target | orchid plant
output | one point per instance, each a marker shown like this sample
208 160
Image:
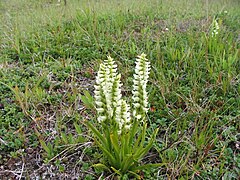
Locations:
215 28
120 131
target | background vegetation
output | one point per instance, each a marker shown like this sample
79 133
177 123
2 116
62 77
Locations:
49 56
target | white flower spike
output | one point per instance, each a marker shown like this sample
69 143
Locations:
215 28
140 99
110 106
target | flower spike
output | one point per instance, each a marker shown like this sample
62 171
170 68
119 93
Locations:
140 99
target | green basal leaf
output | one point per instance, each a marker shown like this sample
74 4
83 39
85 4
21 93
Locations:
143 134
126 148
133 132
88 95
101 167
108 154
127 163
142 151
141 138
71 139
116 171
116 146
137 142
96 132
106 136
134 174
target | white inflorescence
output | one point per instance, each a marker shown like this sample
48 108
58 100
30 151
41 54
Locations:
140 99
123 115
99 94
109 104
107 89
108 98
215 28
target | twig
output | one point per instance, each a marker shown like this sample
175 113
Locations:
2 141
20 176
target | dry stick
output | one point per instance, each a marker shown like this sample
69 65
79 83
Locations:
3 142
20 176
9 171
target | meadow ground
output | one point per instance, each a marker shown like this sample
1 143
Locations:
50 54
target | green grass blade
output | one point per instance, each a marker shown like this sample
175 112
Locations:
147 166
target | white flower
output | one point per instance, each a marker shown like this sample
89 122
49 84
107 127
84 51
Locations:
138 116
127 126
136 87
97 96
100 110
98 103
135 99
137 105
101 118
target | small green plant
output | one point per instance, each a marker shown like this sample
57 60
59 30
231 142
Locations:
120 136
30 96
63 143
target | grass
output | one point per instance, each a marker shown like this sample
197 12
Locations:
50 55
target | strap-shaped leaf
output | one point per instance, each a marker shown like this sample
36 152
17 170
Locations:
135 174
142 151
111 159
133 132
127 163
64 137
116 146
97 133
141 138
101 166
116 171
143 134
127 148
